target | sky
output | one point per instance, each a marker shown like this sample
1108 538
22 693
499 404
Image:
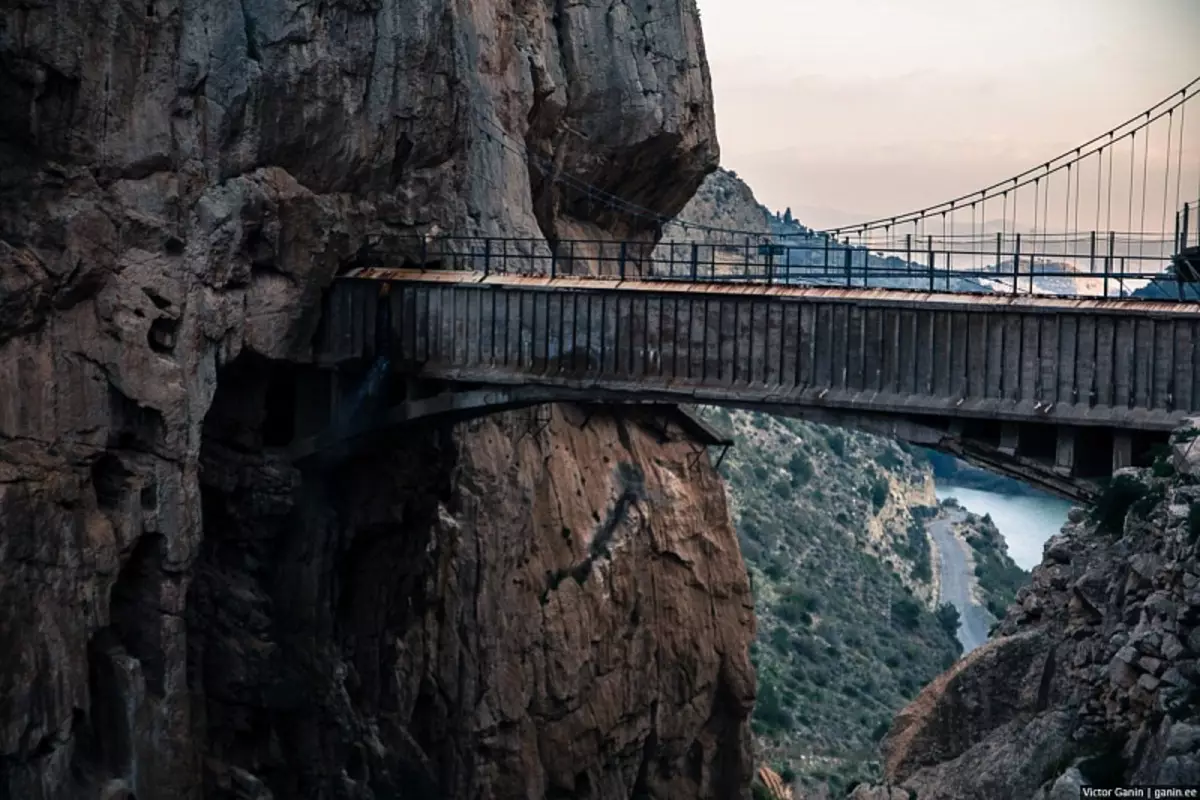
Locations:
846 110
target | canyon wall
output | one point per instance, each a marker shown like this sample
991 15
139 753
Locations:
1091 678
532 605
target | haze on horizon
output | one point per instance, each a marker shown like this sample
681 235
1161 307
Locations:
856 109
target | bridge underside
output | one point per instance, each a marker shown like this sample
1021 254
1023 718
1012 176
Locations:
1069 461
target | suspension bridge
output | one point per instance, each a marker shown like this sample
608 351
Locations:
1046 326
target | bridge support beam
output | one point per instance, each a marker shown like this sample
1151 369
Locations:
1122 455
1064 455
1010 438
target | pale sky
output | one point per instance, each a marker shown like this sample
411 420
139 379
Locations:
852 109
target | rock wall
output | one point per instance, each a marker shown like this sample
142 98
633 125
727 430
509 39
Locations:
188 616
1092 676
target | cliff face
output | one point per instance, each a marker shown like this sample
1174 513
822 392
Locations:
1092 677
187 614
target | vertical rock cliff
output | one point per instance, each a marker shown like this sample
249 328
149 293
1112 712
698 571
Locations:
525 606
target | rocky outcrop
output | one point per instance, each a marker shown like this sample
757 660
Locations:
1091 678
189 616
718 231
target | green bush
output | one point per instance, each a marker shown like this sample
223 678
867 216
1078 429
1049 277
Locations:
768 708
947 617
906 612
1114 503
801 468
880 489
916 551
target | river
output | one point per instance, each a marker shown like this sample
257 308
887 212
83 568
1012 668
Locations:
1025 522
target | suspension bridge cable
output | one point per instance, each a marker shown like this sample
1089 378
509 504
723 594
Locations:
1179 176
1145 185
1189 91
1167 175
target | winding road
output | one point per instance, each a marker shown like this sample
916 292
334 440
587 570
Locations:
974 620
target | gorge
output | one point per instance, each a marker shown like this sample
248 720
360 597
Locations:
567 601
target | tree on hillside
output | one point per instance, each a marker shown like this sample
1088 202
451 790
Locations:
947 617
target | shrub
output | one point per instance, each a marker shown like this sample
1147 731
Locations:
1114 503
880 488
780 639
916 550
801 468
907 613
768 708
947 617
837 442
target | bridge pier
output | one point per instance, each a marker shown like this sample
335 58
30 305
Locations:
1010 438
1064 454
1122 451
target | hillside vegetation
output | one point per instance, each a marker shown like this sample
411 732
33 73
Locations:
843 587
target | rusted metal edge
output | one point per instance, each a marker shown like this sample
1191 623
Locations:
899 297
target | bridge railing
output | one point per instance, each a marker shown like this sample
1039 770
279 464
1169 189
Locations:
1109 264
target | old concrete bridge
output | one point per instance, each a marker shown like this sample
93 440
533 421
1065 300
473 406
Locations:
1054 391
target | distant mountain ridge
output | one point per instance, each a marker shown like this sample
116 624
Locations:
725 202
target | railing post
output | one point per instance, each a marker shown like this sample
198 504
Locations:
695 261
849 259
746 250
1017 263
1112 247
671 259
908 253
929 243
1092 254
1178 277
999 250
487 256
825 268
553 259
1183 228
622 262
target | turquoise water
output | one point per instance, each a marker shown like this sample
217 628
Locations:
1025 522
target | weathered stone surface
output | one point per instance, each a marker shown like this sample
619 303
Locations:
531 608
983 691
1115 699
178 182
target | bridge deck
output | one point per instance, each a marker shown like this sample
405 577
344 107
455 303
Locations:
1055 390
1101 362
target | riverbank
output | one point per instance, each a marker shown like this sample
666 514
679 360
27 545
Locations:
1025 521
